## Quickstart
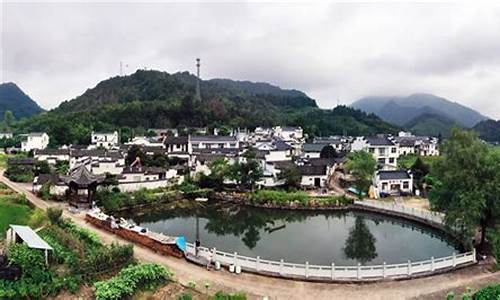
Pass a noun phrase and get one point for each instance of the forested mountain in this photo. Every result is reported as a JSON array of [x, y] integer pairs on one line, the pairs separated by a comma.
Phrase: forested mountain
[[488, 130], [398, 110], [431, 124], [153, 99], [14, 99]]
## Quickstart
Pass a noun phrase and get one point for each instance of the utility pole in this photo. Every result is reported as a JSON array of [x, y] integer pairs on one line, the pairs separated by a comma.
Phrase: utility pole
[[121, 68], [198, 93]]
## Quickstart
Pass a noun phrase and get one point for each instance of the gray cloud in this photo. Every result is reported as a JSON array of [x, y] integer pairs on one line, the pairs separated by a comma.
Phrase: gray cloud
[[333, 52]]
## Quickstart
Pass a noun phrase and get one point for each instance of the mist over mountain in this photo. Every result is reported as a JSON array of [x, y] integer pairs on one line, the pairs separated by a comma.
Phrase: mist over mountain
[[400, 110], [14, 99]]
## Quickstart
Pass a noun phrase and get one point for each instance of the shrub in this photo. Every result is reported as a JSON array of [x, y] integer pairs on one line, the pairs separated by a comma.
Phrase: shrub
[[130, 280], [491, 292], [185, 296], [228, 296], [54, 215], [37, 218], [44, 191], [106, 258]]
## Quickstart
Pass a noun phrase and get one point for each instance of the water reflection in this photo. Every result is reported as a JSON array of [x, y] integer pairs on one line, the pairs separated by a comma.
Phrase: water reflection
[[360, 244], [320, 237]]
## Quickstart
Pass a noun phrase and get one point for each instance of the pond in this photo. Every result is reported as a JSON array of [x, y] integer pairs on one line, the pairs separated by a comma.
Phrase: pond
[[319, 237]]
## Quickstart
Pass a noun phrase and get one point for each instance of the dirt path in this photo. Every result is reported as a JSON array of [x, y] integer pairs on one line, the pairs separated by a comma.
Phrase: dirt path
[[435, 287]]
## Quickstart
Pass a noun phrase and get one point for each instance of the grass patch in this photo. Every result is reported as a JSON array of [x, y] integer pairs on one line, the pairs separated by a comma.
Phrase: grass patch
[[12, 213]]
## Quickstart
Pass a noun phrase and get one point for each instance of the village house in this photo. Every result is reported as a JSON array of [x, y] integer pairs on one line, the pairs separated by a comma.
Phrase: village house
[[105, 140], [177, 144], [288, 133], [6, 135], [393, 182], [383, 149], [313, 150], [145, 142], [34, 140], [52, 156], [212, 141]]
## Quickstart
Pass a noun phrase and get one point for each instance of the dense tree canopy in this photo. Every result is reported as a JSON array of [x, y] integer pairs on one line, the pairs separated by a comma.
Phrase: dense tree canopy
[[467, 185], [361, 165]]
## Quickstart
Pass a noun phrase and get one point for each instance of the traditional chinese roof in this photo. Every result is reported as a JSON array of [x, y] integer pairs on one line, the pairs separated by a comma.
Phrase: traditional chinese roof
[[393, 175], [83, 177]]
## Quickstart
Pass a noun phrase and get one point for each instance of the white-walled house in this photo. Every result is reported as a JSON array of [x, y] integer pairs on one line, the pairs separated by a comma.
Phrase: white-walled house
[[34, 140], [145, 142], [6, 135], [288, 133], [313, 150], [213, 142], [106, 140], [384, 150], [52, 156], [177, 144], [393, 182]]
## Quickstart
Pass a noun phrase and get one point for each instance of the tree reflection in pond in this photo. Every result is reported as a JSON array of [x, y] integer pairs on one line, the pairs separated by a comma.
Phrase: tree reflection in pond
[[360, 244]]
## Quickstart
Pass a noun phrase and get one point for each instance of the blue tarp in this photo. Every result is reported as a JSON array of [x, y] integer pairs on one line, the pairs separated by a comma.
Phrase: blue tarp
[[180, 241]]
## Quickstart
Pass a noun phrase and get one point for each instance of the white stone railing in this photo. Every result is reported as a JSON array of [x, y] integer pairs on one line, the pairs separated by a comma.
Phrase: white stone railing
[[347, 273], [431, 216], [333, 272]]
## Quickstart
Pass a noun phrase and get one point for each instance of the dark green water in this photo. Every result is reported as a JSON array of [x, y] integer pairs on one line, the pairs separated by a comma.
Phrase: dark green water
[[345, 238]]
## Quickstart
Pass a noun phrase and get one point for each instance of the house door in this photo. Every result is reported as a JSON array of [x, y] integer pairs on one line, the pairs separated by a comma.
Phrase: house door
[[317, 182]]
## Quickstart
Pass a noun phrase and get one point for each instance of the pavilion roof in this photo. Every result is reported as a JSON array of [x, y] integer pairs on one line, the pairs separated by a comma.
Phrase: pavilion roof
[[83, 177]]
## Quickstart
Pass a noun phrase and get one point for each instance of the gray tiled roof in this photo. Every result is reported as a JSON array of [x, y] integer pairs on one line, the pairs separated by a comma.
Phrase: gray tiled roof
[[393, 175]]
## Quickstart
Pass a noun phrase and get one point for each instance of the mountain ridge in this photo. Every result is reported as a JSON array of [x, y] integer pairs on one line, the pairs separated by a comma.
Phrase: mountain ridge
[[154, 99], [409, 107], [14, 99]]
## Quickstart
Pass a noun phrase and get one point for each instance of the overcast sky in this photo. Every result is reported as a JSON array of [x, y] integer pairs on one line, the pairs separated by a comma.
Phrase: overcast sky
[[333, 52]]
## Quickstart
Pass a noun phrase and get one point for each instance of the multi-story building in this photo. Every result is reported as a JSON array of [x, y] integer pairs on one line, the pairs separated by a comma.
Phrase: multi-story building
[[384, 150], [105, 140], [34, 140]]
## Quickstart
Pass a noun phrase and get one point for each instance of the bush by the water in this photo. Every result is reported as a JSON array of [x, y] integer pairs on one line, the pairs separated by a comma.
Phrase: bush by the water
[[115, 201], [280, 197], [130, 280]]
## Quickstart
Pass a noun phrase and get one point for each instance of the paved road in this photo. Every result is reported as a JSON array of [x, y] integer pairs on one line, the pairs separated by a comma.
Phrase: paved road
[[435, 287]]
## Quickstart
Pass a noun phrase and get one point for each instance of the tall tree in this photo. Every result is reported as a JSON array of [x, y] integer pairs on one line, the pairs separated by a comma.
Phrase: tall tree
[[8, 120], [328, 152], [362, 165], [419, 170], [467, 188], [292, 176]]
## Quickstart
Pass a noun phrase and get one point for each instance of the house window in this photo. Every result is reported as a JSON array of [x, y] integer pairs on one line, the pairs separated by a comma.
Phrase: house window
[[381, 161], [371, 150], [195, 145], [384, 186], [221, 145], [391, 160], [406, 185], [393, 150], [232, 145], [381, 151]]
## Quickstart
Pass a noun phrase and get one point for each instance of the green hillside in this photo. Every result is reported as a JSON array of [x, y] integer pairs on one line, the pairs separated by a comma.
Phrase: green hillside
[[12, 98], [153, 99], [431, 124]]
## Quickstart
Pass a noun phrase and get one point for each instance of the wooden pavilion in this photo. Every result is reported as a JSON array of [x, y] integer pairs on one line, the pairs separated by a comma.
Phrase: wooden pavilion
[[82, 185]]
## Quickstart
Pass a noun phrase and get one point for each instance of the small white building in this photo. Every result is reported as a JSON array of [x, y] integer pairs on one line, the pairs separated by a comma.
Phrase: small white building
[[106, 140], [313, 150], [52, 156], [6, 135], [34, 140], [213, 142], [288, 133], [393, 182]]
